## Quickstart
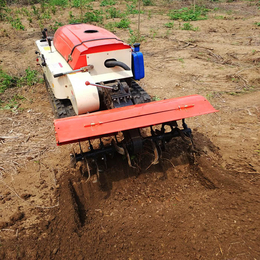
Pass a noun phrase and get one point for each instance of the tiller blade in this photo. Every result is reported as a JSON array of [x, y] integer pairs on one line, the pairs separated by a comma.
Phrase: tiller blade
[[110, 122]]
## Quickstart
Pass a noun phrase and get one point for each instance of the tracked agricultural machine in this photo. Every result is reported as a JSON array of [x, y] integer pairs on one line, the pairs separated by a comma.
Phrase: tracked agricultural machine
[[91, 77]]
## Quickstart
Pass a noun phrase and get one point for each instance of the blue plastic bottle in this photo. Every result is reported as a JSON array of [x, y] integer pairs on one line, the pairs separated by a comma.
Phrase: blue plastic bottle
[[137, 62]]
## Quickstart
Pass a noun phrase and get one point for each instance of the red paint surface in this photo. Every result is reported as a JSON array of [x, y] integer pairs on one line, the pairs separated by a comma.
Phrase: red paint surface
[[93, 125], [68, 36]]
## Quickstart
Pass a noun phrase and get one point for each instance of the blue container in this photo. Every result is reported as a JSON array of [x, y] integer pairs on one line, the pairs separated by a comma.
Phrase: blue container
[[137, 62]]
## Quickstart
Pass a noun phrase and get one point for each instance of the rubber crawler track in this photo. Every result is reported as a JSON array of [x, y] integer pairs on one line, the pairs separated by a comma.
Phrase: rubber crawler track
[[61, 107], [139, 95]]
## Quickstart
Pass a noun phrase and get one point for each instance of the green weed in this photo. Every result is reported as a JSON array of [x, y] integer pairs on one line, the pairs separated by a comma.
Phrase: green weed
[[53, 9], [110, 27], [25, 11], [148, 2], [13, 104], [169, 25], [219, 17], [258, 150], [156, 98], [149, 14], [17, 97], [73, 19], [35, 11], [189, 27], [46, 15], [134, 37], [16, 23], [7, 81], [131, 9], [189, 14], [124, 23], [56, 26], [43, 5], [154, 33], [62, 3], [30, 77], [229, 12], [89, 7], [257, 24], [95, 16], [107, 2], [114, 13], [2, 8], [80, 3]]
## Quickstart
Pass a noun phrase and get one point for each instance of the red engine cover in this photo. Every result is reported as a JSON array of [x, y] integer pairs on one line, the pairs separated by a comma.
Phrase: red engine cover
[[75, 41]]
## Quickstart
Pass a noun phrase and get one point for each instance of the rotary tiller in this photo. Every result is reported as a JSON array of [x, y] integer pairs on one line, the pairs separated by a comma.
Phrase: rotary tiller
[[91, 75]]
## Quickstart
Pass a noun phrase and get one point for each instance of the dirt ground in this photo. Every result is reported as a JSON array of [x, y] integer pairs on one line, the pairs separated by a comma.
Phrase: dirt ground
[[183, 208]]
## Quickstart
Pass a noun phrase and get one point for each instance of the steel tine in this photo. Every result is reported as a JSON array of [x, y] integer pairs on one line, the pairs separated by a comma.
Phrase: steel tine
[[128, 158], [80, 148], [90, 146], [88, 169], [104, 158], [119, 149], [101, 145], [73, 160], [97, 171], [152, 131], [156, 154]]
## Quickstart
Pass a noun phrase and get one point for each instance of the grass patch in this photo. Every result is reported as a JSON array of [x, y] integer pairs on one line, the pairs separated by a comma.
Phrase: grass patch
[[13, 104], [169, 25], [7, 81], [63, 3], [16, 23], [80, 3], [30, 78], [134, 37], [131, 9], [110, 27], [114, 13], [94, 16], [189, 27], [124, 23], [156, 98], [148, 3], [55, 26], [107, 3], [189, 14]]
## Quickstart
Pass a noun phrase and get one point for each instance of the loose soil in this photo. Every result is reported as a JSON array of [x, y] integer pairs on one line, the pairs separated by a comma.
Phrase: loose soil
[[202, 206]]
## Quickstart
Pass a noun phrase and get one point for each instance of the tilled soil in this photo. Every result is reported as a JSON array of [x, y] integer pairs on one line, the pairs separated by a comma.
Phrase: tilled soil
[[201, 205]]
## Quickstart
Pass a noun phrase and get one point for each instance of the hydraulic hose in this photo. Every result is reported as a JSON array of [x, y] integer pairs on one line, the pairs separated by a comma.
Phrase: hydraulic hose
[[114, 63]]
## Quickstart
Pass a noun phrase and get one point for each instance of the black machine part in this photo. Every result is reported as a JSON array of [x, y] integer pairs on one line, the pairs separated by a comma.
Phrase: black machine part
[[113, 63]]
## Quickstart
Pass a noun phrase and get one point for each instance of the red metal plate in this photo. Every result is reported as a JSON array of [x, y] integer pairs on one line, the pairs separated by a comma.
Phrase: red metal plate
[[75, 40], [97, 124]]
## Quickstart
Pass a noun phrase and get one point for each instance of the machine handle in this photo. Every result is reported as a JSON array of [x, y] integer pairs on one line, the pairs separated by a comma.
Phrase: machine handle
[[83, 69], [58, 75]]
